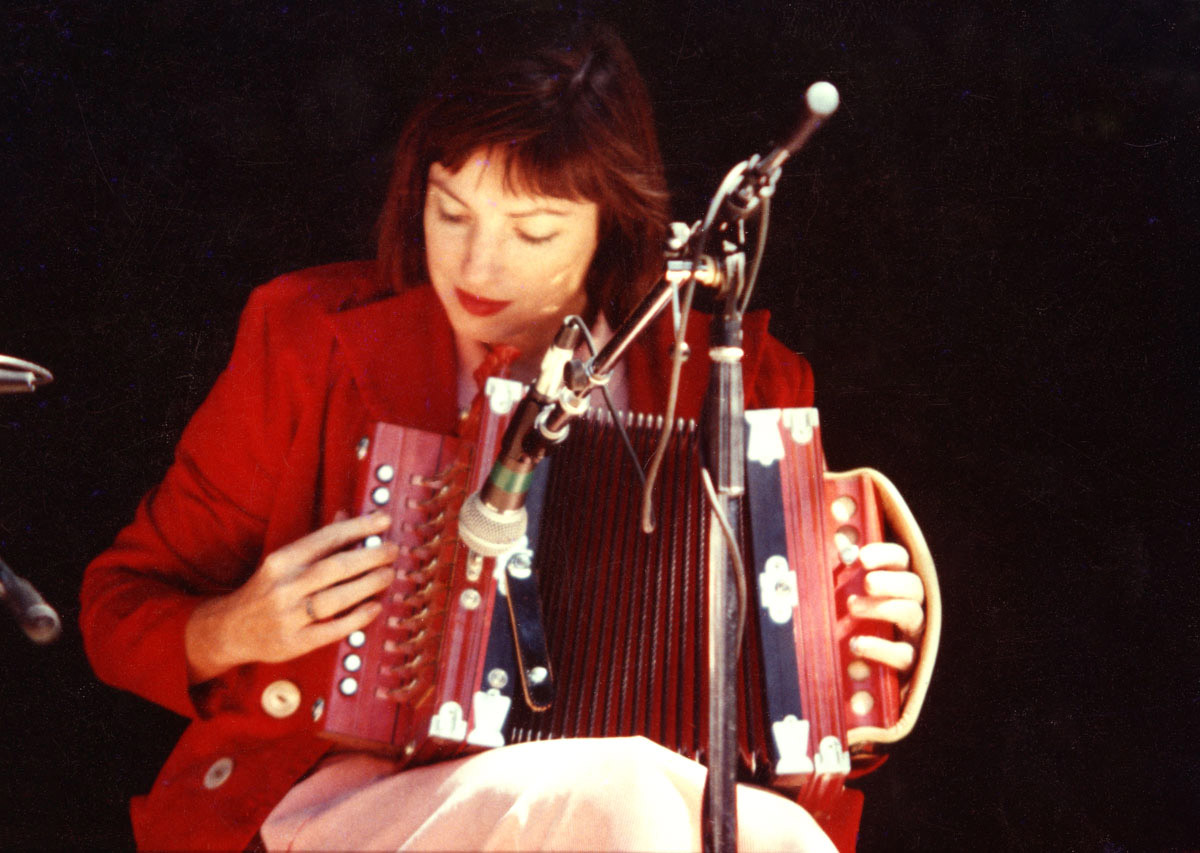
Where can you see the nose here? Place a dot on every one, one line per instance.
(481, 261)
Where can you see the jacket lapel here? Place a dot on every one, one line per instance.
(400, 350)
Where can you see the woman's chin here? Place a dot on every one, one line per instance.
(493, 331)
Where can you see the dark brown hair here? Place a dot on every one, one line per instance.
(568, 107)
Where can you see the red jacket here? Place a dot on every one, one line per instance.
(267, 458)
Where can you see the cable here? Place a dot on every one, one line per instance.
(735, 554)
(577, 322)
(759, 250)
(668, 420)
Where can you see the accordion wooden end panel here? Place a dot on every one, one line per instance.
(393, 688)
(383, 674)
(805, 530)
(623, 613)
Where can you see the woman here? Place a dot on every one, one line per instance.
(528, 186)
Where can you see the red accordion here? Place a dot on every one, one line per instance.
(462, 654)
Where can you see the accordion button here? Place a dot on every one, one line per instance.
(280, 699)
(862, 702)
(348, 686)
(218, 773)
(843, 508)
(385, 473)
(352, 663)
(357, 639)
(859, 670)
(381, 496)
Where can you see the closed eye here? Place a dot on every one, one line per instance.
(535, 240)
(452, 218)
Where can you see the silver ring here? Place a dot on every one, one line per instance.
(308, 608)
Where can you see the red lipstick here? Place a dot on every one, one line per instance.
(478, 306)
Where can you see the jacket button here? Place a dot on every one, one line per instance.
(281, 699)
(218, 773)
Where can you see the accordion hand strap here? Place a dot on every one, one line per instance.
(901, 520)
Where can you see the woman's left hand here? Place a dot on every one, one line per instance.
(893, 594)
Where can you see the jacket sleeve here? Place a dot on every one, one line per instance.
(200, 531)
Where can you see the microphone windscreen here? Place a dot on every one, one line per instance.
(489, 532)
(822, 98)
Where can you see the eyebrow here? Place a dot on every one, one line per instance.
(518, 215)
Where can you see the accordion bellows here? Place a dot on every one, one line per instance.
(623, 612)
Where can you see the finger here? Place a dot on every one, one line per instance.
(897, 655)
(905, 614)
(323, 633)
(892, 584)
(883, 555)
(326, 540)
(344, 565)
(336, 599)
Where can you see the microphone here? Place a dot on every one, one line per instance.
(821, 100)
(488, 531)
(37, 619)
(18, 375)
(493, 520)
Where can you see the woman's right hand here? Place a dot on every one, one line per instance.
(305, 595)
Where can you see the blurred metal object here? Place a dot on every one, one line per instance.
(18, 375)
(37, 619)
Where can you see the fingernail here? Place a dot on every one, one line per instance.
(855, 646)
(379, 516)
(373, 609)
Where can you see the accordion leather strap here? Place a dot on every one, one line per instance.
(901, 519)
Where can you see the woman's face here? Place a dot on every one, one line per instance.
(507, 266)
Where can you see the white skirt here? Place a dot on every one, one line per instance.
(581, 794)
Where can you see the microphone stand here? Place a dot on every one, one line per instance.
(725, 458)
(37, 619)
(581, 378)
(745, 191)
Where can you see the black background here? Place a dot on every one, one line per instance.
(983, 254)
